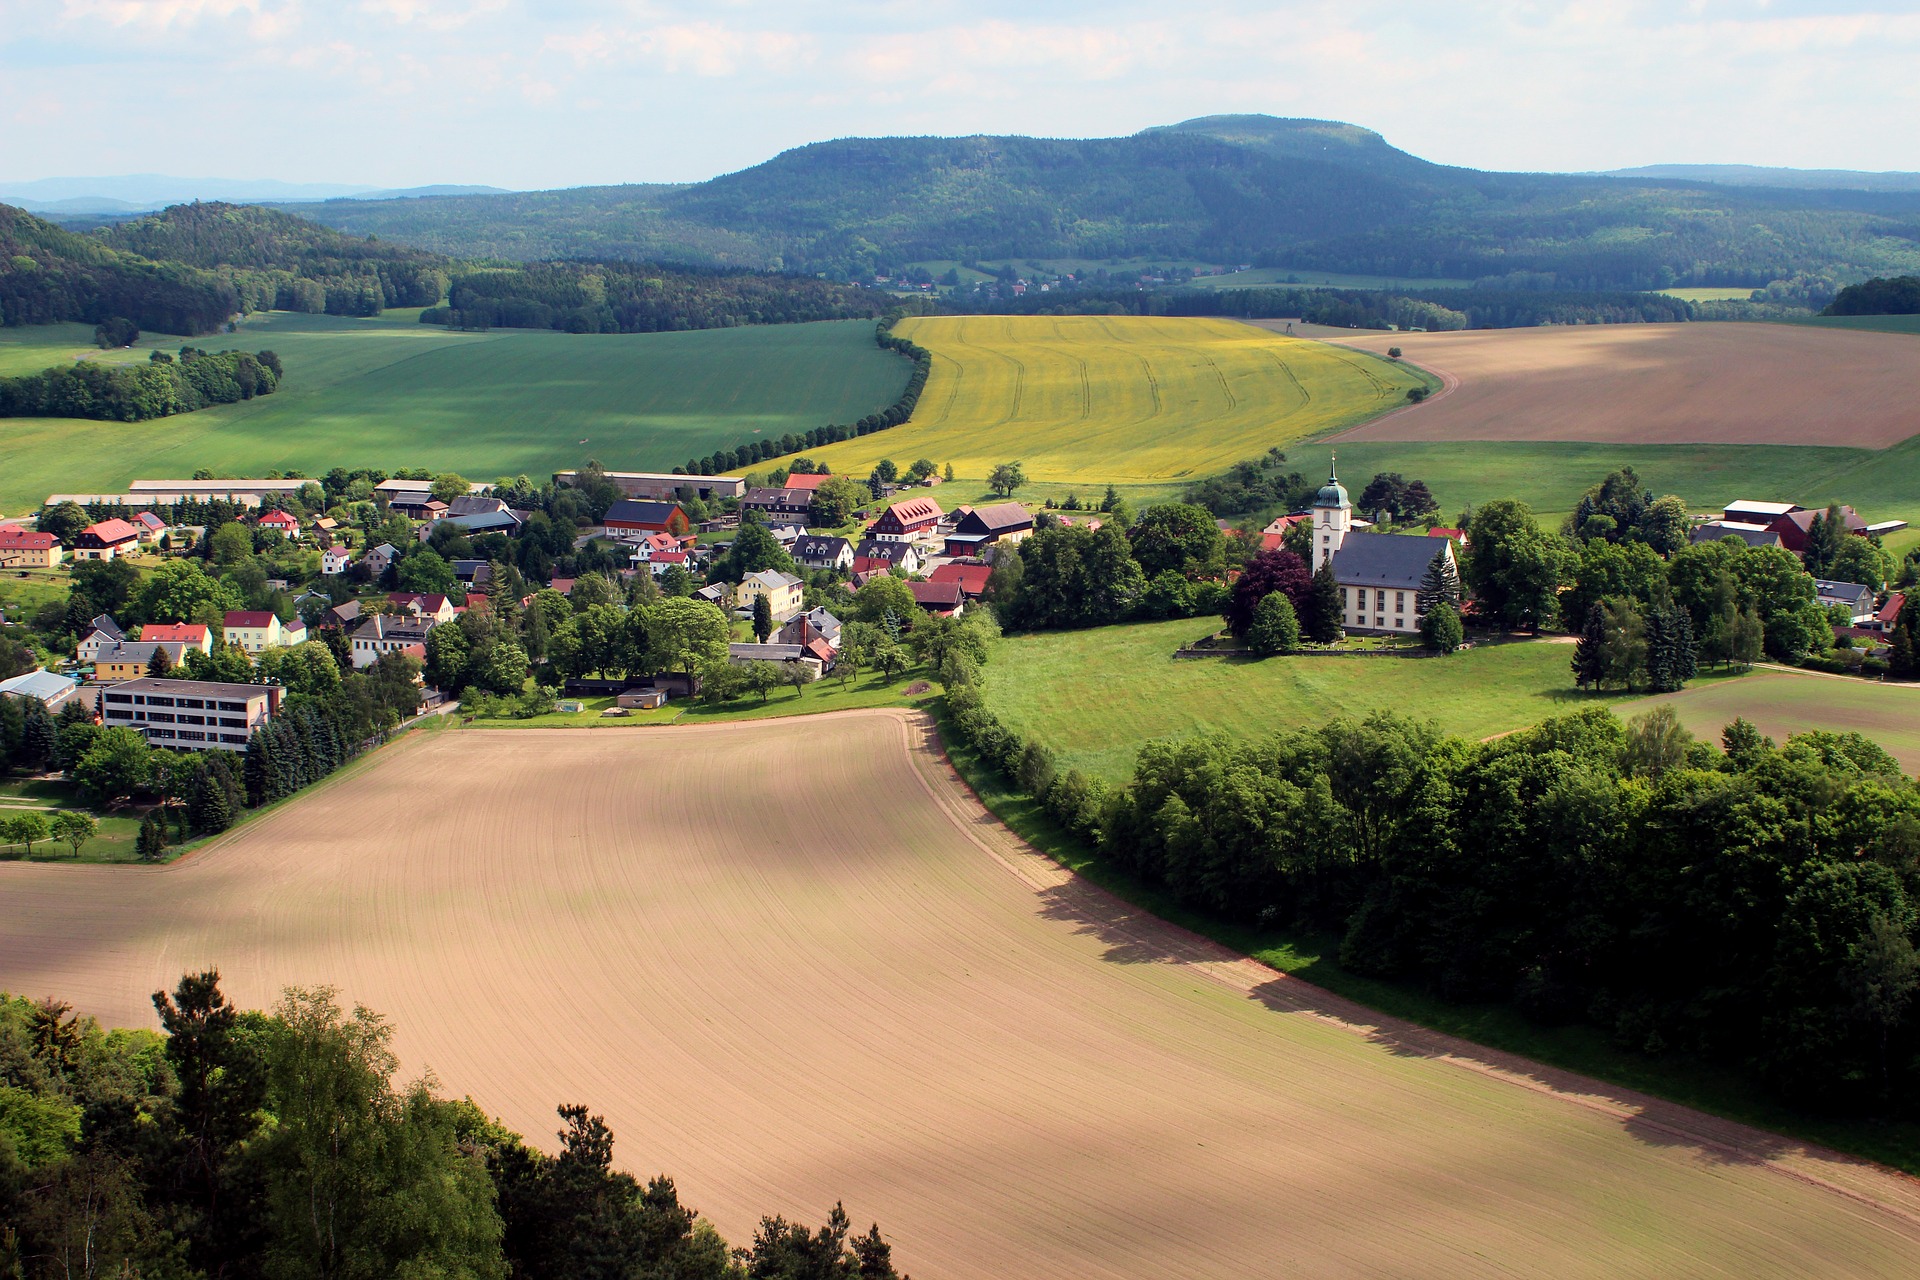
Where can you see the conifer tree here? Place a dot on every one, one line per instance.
(159, 664)
(1441, 584)
(1324, 607)
(1670, 656)
(1590, 653)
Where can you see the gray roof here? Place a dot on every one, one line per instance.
(388, 626)
(1713, 531)
(1385, 559)
(765, 652)
(889, 548)
(142, 651)
(815, 547)
(199, 688)
(1853, 591)
(484, 520)
(106, 626)
(44, 685)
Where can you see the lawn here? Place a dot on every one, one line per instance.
(1095, 696)
(113, 843)
(1780, 703)
(392, 392)
(31, 348)
(867, 690)
(1090, 400)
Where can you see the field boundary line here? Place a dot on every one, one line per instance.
(1890, 1192)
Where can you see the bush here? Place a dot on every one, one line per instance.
(1275, 628)
(1441, 629)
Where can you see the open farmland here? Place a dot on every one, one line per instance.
(1659, 384)
(1123, 399)
(392, 392)
(1780, 703)
(1095, 696)
(1015, 1073)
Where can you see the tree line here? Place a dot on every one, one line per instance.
(48, 275)
(273, 1145)
(1425, 308)
(1880, 296)
(159, 388)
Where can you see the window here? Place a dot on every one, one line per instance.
(119, 697)
(1379, 622)
(1399, 602)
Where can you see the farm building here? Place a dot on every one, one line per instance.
(744, 653)
(503, 520)
(193, 714)
(969, 575)
(942, 599)
(1794, 526)
(26, 549)
(1754, 535)
(1379, 573)
(981, 527)
(907, 518)
(105, 540)
(779, 504)
(1760, 513)
(49, 688)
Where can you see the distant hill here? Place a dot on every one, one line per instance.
(1748, 175)
(141, 192)
(49, 274)
(1311, 194)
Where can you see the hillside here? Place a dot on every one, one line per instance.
(1227, 189)
(48, 275)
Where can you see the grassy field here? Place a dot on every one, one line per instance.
(1090, 400)
(1094, 696)
(1781, 703)
(859, 693)
(32, 348)
(847, 981)
(113, 843)
(392, 392)
(1709, 293)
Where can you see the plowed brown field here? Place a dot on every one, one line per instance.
(1656, 384)
(794, 961)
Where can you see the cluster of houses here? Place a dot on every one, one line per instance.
(1790, 526)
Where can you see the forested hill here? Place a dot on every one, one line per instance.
(47, 274)
(1308, 194)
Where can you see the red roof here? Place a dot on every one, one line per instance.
(1890, 611)
(150, 520)
(807, 482)
(181, 632)
(1458, 535)
(111, 531)
(249, 618)
(1272, 541)
(563, 585)
(427, 603)
(669, 557)
(279, 519)
(936, 595)
(970, 578)
(13, 538)
(914, 510)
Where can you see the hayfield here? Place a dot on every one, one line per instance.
(1780, 703)
(861, 987)
(1124, 399)
(1095, 696)
(1639, 384)
(392, 392)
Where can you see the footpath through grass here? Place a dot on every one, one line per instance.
(392, 392)
(1313, 957)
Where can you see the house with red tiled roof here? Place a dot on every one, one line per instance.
(105, 540)
(969, 575)
(941, 599)
(149, 526)
(802, 480)
(1889, 614)
(906, 518)
(280, 522)
(254, 630)
(26, 549)
(195, 635)
(435, 605)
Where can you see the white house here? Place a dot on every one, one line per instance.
(1379, 573)
(335, 559)
(254, 630)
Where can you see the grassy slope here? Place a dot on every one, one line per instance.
(866, 690)
(392, 392)
(1095, 696)
(1088, 400)
(1782, 703)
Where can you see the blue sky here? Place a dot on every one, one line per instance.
(569, 92)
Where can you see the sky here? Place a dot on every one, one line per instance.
(520, 94)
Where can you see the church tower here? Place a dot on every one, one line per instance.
(1332, 517)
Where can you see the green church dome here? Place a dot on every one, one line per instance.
(1332, 493)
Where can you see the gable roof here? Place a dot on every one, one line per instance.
(808, 482)
(1853, 591)
(1762, 508)
(1385, 560)
(248, 618)
(970, 578)
(937, 595)
(114, 530)
(815, 547)
(42, 684)
(142, 651)
(912, 510)
(278, 517)
(152, 522)
(788, 497)
(1001, 517)
(636, 511)
(1803, 520)
(772, 578)
(473, 504)
(1890, 611)
(185, 632)
(13, 538)
(106, 626)
(884, 549)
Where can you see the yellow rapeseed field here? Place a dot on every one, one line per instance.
(1121, 399)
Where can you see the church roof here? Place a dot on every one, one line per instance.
(1384, 560)
(1332, 493)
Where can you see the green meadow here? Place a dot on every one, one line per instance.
(391, 392)
(1783, 703)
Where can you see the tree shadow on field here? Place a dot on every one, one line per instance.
(1131, 935)
(1654, 1122)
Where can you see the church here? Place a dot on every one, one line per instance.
(1379, 573)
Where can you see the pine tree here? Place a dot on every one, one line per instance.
(151, 844)
(1900, 656)
(1670, 657)
(259, 769)
(159, 664)
(1590, 653)
(1441, 584)
(39, 735)
(1325, 607)
(216, 813)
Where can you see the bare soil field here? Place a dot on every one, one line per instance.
(796, 961)
(1654, 384)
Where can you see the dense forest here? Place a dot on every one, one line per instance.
(49, 275)
(626, 297)
(134, 393)
(1878, 297)
(1255, 189)
(247, 1145)
(1425, 308)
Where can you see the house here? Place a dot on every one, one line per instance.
(49, 688)
(101, 633)
(1379, 573)
(326, 526)
(810, 481)
(656, 544)
(105, 540)
(1760, 513)
(1754, 535)
(803, 627)
(969, 575)
(787, 534)
(254, 630)
(505, 520)
(129, 659)
(379, 559)
(475, 573)
(416, 504)
(341, 616)
(1855, 597)
(1451, 535)
(334, 560)
(744, 653)
(942, 599)
(279, 522)
(387, 633)
(1005, 522)
(665, 560)
(716, 593)
(26, 549)
(1888, 616)
(875, 553)
(195, 635)
(435, 606)
(909, 518)
(563, 585)
(1280, 524)
(817, 552)
(660, 485)
(475, 504)
(195, 715)
(782, 591)
(779, 504)
(1795, 526)
(150, 527)
(646, 517)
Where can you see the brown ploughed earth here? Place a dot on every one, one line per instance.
(794, 961)
(1704, 383)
